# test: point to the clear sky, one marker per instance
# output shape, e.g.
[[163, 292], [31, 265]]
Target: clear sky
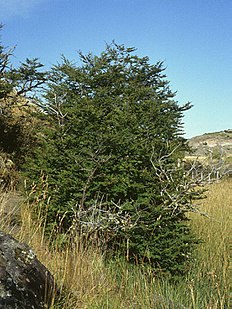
[[193, 37]]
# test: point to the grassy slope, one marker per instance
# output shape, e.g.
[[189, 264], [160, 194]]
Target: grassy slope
[[218, 142], [218, 137], [86, 282]]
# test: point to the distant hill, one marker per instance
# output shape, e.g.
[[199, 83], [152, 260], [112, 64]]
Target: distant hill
[[217, 141], [213, 148]]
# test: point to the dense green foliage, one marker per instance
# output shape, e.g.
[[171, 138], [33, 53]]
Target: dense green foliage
[[110, 146]]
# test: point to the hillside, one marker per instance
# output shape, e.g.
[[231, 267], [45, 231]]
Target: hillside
[[213, 148], [220, 142]]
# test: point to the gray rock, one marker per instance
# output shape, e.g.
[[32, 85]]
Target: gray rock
[[24, 282]]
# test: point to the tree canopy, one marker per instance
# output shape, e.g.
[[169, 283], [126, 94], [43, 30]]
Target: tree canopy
[[110, 146], [17, 95]]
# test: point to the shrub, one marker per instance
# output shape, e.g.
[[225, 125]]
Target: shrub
[[112, 137]]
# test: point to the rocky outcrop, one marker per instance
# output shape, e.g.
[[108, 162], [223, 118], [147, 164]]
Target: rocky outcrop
[[214, 151], [216, 141], [24, 282]]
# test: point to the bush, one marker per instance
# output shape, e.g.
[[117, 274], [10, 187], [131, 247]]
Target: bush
[[111, 147], [17, 104]]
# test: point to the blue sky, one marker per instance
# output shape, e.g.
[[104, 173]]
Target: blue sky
[[193, 37]]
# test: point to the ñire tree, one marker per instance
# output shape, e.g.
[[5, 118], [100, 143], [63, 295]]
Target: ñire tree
[[112, 149], [17, 98]]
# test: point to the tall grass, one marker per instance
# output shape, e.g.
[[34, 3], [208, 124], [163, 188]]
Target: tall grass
[[86, 281], [211, 268]]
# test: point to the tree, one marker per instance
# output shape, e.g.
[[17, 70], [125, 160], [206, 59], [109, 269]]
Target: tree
[[111, 150], [17, 103]]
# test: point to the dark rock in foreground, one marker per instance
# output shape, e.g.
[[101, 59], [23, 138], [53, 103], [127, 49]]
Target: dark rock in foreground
[[24, 282]]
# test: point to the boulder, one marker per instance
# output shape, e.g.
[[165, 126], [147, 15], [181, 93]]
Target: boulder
[[24, 282]]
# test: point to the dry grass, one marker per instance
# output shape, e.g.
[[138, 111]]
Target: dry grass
[[86, 281], [212, 268]]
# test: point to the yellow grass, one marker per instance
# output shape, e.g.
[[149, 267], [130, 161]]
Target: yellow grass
[[85, 281], [213, 255], [215, 229]]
